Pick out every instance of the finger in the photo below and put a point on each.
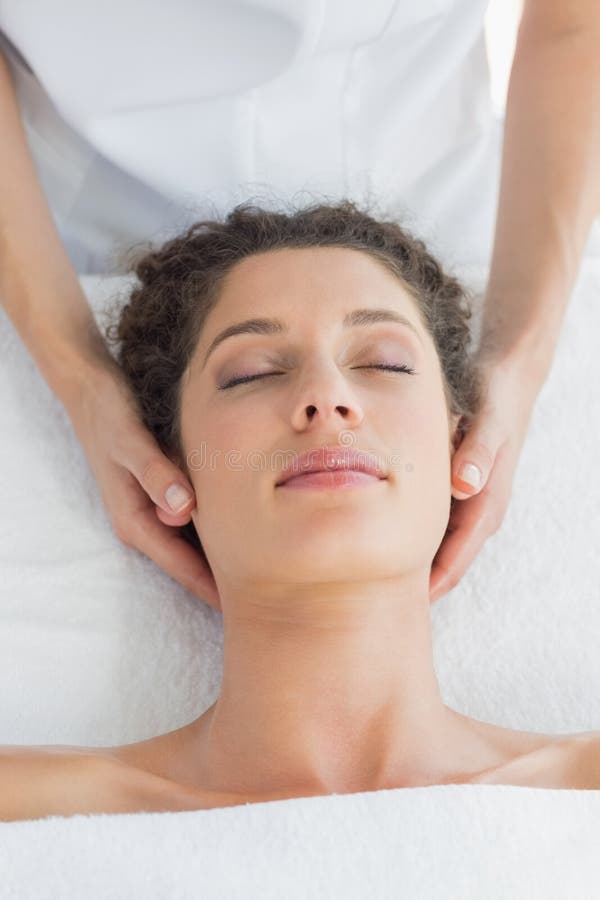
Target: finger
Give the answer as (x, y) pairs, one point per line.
(447, 571)
(468, 530)
(162, 480)
(176, 556)
(458, 552)
(471, 464)
(173, 519)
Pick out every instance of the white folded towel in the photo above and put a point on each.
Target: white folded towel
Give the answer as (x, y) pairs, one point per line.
(452, 842)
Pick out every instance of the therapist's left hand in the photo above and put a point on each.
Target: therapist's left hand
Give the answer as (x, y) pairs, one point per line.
(134, 475)
(493, 443)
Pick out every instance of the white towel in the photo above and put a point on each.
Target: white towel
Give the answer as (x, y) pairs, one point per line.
(452, 842)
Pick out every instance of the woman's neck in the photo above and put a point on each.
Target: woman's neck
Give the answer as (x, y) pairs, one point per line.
(326, 687)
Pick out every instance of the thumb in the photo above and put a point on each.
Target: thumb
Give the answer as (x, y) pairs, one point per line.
(471, 466)
(166, 485)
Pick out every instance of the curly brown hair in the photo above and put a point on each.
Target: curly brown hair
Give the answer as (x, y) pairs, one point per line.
(158, 329)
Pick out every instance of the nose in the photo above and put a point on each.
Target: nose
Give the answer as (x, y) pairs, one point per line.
(325, 397)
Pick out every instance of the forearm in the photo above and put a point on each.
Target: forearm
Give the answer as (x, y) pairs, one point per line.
(549, 195)
(39, 288)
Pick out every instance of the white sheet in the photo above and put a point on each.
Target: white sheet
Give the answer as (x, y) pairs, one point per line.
(98, 647)
(454, 842)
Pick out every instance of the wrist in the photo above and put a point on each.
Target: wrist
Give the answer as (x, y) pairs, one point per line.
(528, 352)
(60, 333)
(526, 364)
(71, 362)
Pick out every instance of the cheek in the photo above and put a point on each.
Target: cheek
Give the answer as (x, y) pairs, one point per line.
(226, 459)
(244, 443)
(421, 462)
(415, 425)
(215, 444)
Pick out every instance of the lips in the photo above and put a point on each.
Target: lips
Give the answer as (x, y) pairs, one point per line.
(325, 459)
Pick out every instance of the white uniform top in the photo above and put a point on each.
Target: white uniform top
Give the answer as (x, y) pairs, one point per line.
(143, 117)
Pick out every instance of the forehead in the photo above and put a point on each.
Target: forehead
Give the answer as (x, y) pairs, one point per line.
(294, 280)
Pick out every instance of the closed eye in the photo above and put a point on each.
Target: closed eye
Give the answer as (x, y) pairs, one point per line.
(244, 379)
(391, 368)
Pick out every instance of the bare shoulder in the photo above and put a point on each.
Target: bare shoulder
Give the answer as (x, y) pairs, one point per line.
(584, 761)
(42, 781)
(569, 761)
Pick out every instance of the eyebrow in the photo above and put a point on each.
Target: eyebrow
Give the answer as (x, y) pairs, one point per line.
(358, 317)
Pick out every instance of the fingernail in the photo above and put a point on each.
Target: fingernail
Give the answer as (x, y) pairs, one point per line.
(177, 497)
(471, 474)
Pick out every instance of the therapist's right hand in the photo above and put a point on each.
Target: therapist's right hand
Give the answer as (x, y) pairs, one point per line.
(134, 475)
(493, 443)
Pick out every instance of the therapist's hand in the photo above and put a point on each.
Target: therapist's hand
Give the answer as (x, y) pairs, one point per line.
(133, 475)
(493, 444)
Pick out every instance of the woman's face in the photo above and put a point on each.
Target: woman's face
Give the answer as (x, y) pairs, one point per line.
(319, 390)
